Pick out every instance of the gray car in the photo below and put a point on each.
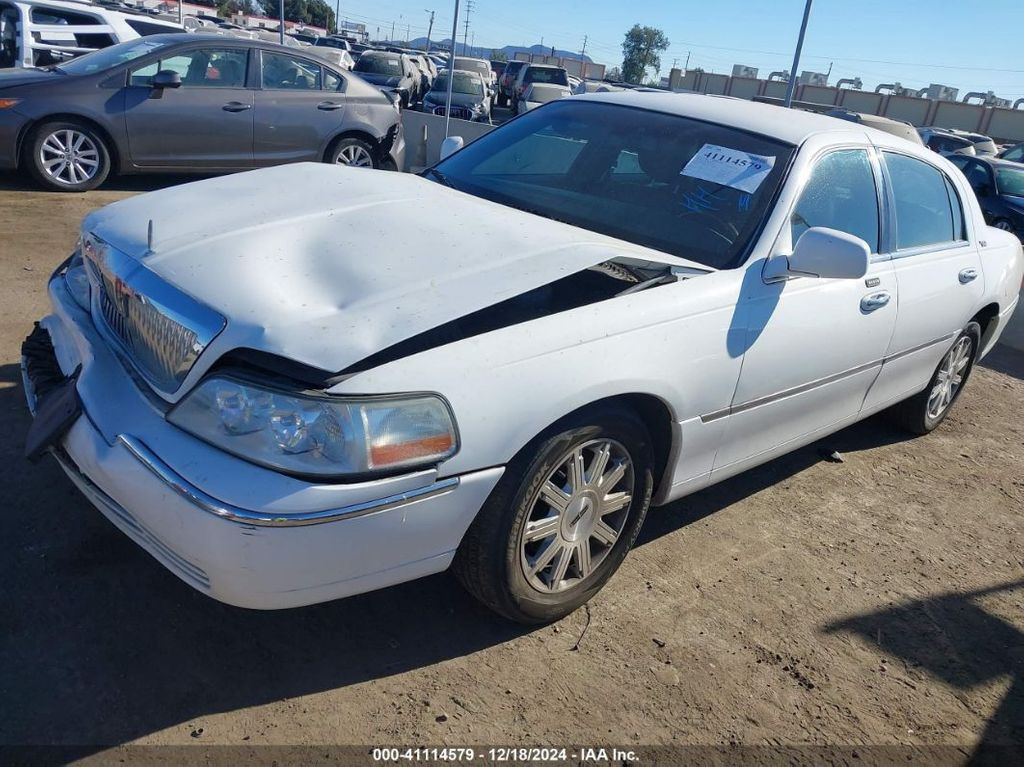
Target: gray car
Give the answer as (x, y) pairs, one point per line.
(198, 102)
(470, 97)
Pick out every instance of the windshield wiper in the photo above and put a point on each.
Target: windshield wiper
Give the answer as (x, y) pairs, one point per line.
(663, 277)
(439, 176)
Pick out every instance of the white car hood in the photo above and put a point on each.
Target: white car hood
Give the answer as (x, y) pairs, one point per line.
(326, 265)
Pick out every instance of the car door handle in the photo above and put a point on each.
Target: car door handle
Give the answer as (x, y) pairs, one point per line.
(968, 275)
(874, 301)
(328, 106)
(236, 106)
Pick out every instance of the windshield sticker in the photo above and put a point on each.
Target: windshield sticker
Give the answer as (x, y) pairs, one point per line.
(729, 167)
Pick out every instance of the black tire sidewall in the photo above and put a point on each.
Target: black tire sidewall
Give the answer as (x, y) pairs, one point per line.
(337, 146)
(529, 604)
(39, 135)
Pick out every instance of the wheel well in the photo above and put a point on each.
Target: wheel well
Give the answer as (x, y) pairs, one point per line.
(656, 417)
(115, 157)
(986, 318)
(362, 135)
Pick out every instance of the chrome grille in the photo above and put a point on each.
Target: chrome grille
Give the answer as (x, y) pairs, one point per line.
(459, 113)
(162, 330)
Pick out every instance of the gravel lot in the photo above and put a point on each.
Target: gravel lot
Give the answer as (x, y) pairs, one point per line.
(873, 601)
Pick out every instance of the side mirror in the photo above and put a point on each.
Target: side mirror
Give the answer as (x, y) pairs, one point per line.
(166, 78)
(450, 146)
(822, 252)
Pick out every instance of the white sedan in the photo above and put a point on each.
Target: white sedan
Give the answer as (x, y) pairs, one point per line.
(306, 382)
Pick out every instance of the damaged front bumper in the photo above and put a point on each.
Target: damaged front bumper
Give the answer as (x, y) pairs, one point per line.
(241, 533)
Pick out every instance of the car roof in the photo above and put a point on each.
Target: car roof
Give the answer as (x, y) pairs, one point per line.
(995, 162)
(789, 125)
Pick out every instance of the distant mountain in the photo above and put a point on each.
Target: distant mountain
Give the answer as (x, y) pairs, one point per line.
(484, 52)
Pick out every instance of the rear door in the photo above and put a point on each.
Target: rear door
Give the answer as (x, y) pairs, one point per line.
(938, 272)
(300, 106)
(205, 124)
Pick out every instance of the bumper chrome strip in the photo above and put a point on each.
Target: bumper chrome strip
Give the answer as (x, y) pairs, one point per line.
(209, 504)
(751, 404)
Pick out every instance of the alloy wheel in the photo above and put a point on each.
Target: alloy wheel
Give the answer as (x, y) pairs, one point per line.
(69, 156)
(577, 516)
(949, 377)
(354, 156)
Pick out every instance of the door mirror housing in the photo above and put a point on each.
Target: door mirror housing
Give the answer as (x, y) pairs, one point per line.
(822, 252)
(451, 145)
(166, 78)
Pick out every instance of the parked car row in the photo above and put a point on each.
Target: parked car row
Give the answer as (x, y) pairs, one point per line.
(198, 102)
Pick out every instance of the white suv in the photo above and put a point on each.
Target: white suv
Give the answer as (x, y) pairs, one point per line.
(38, 34)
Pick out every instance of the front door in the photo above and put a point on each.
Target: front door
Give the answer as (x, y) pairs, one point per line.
(204, 123)
(299, 107)
(812, 346)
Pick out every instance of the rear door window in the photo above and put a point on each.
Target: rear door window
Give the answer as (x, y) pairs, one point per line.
(924, 211)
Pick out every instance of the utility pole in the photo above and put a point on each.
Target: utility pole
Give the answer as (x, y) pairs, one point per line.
(407, 28)
(430, 29)
(391, 39)
(280, 8)
(451, 73)
(583, 50)
(791, 85)
(337, 17)
(465, 32)
(687, 64)
(181, 12)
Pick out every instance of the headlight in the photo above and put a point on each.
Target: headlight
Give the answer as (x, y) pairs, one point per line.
(318, 435)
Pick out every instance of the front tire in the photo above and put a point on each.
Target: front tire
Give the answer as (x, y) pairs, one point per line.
(561, 519)
(67, 156)
(923, 412)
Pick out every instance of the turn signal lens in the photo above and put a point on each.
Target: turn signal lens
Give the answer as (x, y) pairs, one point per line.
(8, 103)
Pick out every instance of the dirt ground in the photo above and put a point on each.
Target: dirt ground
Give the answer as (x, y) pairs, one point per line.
(873, 601)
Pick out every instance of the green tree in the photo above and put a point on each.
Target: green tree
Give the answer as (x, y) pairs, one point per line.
(497, 55)
(228, 8)
(315, 12)
(640, 52)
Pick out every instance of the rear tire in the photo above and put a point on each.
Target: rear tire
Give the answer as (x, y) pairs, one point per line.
(924, 411)
(67, 156)
(353, 152)
(550, 536)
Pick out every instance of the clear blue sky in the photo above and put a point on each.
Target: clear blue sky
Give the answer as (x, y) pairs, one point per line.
(970, 46)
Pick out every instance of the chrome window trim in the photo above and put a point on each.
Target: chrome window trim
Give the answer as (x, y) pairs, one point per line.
(217, 508)
(810, 385)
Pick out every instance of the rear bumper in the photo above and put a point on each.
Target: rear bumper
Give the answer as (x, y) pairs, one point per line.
(290, 543)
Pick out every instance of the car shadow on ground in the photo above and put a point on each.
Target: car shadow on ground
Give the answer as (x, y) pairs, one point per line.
(101, 645)
(19, 182)
(955, 639)
(1006, 360)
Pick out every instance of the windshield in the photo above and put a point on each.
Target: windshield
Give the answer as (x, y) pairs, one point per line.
(380, 65)
(696, 190)
(546, 75)
(101, 60)
(474, 65)
(1010, 181)
(463, 83)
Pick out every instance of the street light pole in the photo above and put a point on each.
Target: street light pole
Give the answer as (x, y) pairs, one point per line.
(791, 85)
(451, 73)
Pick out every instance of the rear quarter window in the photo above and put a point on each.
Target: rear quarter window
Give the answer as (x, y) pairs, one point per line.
(924, 210)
